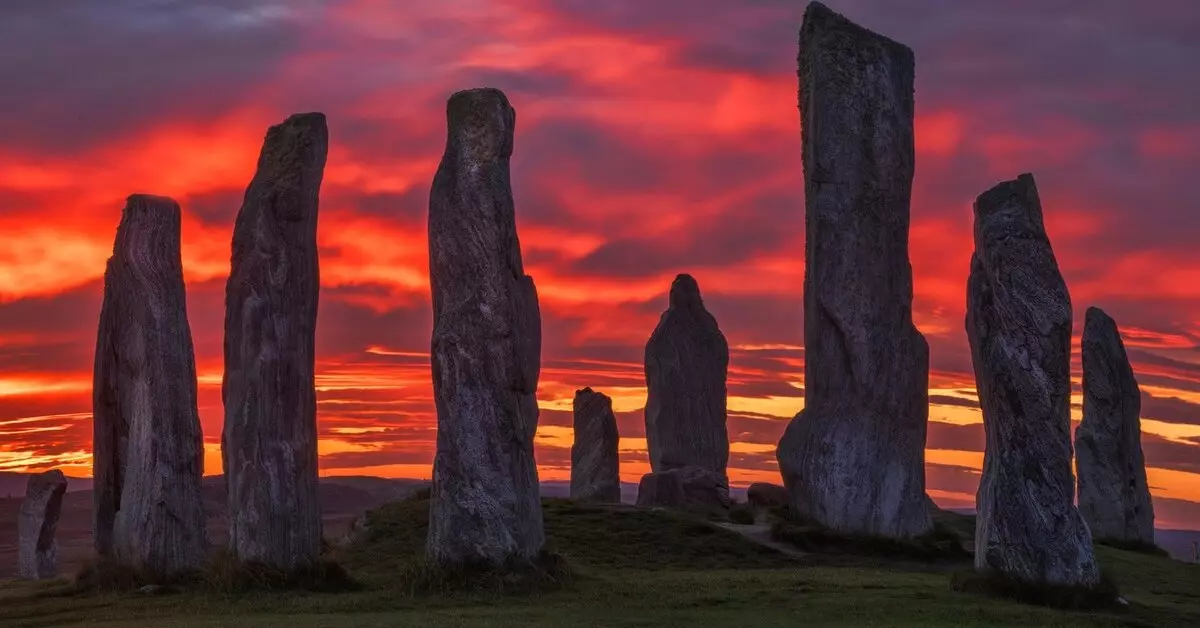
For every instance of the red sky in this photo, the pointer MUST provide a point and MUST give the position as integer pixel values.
(652, 139)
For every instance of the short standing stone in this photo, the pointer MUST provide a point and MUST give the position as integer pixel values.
(269, 444)
(487, 335)
(690, 489)
(37, 549)
(687, 359)
(1019, 328)
(148, 453)
(595, 465)
(1114, 498)
(854, 458)
(764, 496)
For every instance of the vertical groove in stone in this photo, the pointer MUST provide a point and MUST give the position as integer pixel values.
(486, 345)
(269, 443)
(148, 453)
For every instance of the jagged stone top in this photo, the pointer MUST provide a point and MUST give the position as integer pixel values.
(1099, 323)
(40, 482)
(480, 124)
(303, 139)
(820, 18)
(1009, 209)
(586, 397)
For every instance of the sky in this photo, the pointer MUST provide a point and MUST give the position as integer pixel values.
(651, 139)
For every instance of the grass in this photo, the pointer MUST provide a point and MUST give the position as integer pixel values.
(1134, 546)
(944, 544)
(1102, 596)
(624, 568)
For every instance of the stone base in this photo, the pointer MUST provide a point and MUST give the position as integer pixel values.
(690, 489)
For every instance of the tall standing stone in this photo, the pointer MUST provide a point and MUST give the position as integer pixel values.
(854, 458)
(486, 346)
(595, 465)
(687, 359)
(37, 550)
(1019, 328)
(1114, 498)
(148, 450)
(269, 444)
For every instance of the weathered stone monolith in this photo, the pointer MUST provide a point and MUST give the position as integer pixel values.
(1019, 328)
(486, 347)
(854, 458)
(687, 359)
(269, 444)
(148, 451)
(37, 550)
(595, 465)
(1114, 498)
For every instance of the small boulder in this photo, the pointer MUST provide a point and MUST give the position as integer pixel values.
(691, 489)
(766, 496)
(37, 548)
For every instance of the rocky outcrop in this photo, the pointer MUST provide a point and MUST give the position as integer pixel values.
(595, 465)
(1019, 328)
(854, 458)
(37, 550)
(1114, 498)
(686, 363)
(691, 489)
(487, 336)
(269, 444)
(148, 452)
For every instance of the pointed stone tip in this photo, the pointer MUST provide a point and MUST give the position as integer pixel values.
(1097, 317)
(685, 292)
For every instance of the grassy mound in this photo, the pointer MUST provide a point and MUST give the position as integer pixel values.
(547, 572)
(1133, 546)
(1103, 596)
(221, 574)
(591, 537)
(941, 545)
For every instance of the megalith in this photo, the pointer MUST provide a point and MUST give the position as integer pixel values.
(485, 351)
(1019, 329)
(269, 442)
(687, 360)
(595, 465)
(148, 450)
(1114, 497)
(854, 458)
(37, 550)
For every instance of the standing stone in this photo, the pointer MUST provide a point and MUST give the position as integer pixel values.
(148, 450)
(1114, 498)
(486, 347)
(37, 550)
(269, 444)
(1019, 328)
(854, 458)
(687, 359)
(595, 465)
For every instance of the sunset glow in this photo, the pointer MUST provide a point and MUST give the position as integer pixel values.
(646, 145)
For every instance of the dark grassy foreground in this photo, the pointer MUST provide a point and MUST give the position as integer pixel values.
(619, 567)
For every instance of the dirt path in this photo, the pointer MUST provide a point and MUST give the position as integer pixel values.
(761, 533)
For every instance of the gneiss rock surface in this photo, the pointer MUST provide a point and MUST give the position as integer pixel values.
(687, 358)
(595, 465)
(691, 489)
(1019, 328)
(487, 337)
(854, 458)
(1114, 498)
(269, 444)
(37, 550)
(148, 453)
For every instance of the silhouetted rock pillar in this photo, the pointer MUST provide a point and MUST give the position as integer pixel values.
(687, 359)
(595, 465)
(37, 550)
(269, 444)
(1114, 498)
(487, 336)
(148, 450)
(1019, 328)
(854, 458)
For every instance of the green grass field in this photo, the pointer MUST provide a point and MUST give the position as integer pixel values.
(635, 568)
